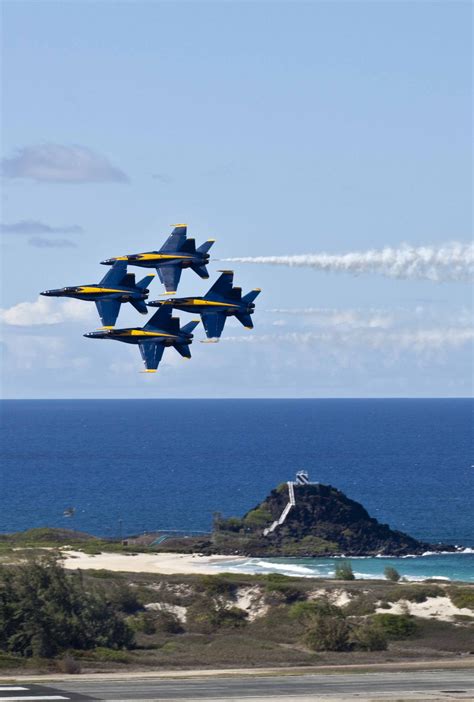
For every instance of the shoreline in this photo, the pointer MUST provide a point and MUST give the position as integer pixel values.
(164, 563)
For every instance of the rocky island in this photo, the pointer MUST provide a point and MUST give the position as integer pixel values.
(308, 520)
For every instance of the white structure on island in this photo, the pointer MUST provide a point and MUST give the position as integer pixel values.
(302, 478)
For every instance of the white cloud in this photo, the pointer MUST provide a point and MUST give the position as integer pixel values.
(46, 311)
(56, 163)
(401, 339)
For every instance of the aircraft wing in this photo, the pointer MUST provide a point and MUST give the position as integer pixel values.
(152, 353)
(170, 277)
(223, 285)
(213, 324)
(176, 239)
(115, 275)
(108, 311)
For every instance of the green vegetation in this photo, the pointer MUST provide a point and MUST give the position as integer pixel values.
(186, 621)
(395, 626)
(414, 593)
(391, 574)
(462, 597)
(344, 571)
(43, 612)
(369, 637)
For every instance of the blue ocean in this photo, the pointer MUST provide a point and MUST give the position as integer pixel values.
(129, 466)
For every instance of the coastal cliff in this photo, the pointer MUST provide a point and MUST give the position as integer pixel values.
(321, 522)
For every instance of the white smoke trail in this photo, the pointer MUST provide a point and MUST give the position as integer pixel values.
(454, 262)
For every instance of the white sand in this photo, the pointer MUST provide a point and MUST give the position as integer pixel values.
(165, 563)
(440, 608)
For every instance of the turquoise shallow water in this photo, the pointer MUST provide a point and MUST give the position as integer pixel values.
(445, 566)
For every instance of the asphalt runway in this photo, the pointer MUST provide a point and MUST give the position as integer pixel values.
(429, 685)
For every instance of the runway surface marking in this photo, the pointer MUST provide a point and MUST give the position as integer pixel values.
(32, 693)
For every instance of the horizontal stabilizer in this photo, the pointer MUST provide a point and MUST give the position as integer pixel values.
(250, 297)
(245, 319)
(200, 270)
(145, 282)
(139, 306)
(204, 248)
(183, 349)
(189, 327)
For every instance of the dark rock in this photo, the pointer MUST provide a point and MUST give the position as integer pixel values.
(323, 522)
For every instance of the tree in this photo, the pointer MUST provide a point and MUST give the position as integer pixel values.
(44, 611)
(344, 571)
(392, 574)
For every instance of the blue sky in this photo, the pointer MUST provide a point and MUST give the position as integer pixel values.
(276, 128)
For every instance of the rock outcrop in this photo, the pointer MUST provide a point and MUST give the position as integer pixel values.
(322, 522)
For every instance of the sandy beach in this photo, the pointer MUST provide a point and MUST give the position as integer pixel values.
(165, 563)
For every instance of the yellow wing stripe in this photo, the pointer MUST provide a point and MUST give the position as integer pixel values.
(88, 290)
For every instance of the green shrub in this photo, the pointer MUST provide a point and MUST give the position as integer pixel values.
(144, 622)
(328, 633)
(308, 611)
(283, 593)
(369, 637)
(344, 571)
(70, 665)
(110, 655)
(258, 517)
(396, 626)
(414, 593)
(391, 574)
(44, 611)
(217, 585)
(125, 599)
(462, 597)
(206, 616)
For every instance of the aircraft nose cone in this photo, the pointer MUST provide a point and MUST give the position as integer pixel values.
(47, 293)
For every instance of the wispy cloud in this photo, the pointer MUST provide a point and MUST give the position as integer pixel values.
(347, 318)
(453, 261)
(57, 163)
(400, 339)
(41, 243)
(46, 311)
(34, 226)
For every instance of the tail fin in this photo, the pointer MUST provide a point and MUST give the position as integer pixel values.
(183, 349)
(250, 297)
(160, 318)
(200, 270)
(145, 282)
(190, 326)
(204, 248)
(139, 306)
(245, 320)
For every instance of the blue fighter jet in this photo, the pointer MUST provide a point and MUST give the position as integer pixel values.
(115, 288)
(161, 331)
(178, 252)
(220, 302)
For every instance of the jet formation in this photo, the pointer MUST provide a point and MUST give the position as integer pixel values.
(118, 287)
